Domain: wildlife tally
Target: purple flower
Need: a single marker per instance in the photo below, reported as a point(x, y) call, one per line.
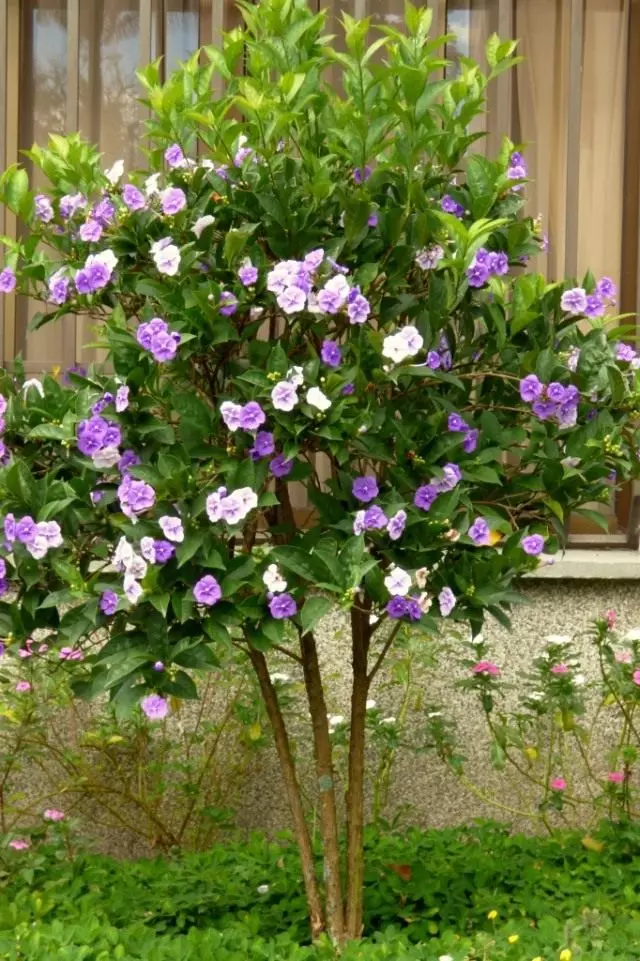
point(173, 200)
point(129, 459)
point(263, 446)
point(172, 528)
point(567, 415)
point(425, 496)
point(372, 220)
point(498, 263)
point(122, 399)
point(414, 611)
point(396, 608)
point(284, 396)
point(248, 274)
point(90, 435)
point(433, 360)
point(146, 332)
point(429, 257)
point(556, 392)
point(361, 174)
point(7, 280)
point(470, 441)
point(375, 519)
point(9, 527)
point(44, 210)
point(396, 525)
point(530, 388)
point(477, 274)
point(331, 354)
point(135, 496)
point(166, 257)
point(90, 231)
point(207, 591)
point(607, 289)
point(155, 707)
point(70, 204)
point(164, 346)
point(348, 389)
point(479, 532)
point(625, 352)
point(108, 602)
point(252, 416)
point(544, 409)
point(292, 299)
point(533, 544)
point(595, 306)
point(133, 198)
point(447, 601)
point(228, 303)
point(574, 301)
point(358, 309)
point(282, 606)
point(450, 479)
point(158, 666)
point(104, 212)
point(364, 489)
point(456, 423)
point(174, 155)
point(280, 466)
point(450, 206)
point(334, 295)
point(96, 272)
point(25, 530)
point(58, 287)
point(163, 551)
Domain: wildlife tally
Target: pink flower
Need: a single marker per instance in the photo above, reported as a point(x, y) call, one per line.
point(20, 844)
point(623, 657)
point(610, 618)
point(615, 777)
point(636, 677)
point(22, 687)
point(558, 784)
point(560, 669)
point(486, 667)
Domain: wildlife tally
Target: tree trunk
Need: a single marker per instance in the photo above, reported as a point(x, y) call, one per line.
point(292, 790)
point(360, 636)
point(326, 788)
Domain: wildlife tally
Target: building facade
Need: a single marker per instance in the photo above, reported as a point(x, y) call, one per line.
point(574, 102)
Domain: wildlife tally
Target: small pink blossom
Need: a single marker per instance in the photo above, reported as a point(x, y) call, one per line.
point(558, 784)
point(560, 669)
point(20, 844)
point(623, 657)
point(610, 618)
point(615, 777)
point(636, 677)
point(22, 687)
point(52, 814)
point(486, 667)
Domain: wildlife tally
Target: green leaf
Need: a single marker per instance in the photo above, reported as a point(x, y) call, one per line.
point(189, 547)
point(315, 608)
point(236, 240)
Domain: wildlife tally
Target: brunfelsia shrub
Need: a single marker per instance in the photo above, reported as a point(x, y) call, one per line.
point(298, 271)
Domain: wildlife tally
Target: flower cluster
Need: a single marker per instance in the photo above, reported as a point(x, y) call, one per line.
point(96, 273)
point(232, 508)
point(578, 302)
point(248, 417)
point(486, 264)
point(156, 337)
point(551, 401)
point(298, 286)
point(426, 494)
point(38, 538)
point(429, 257)
point(99, 439)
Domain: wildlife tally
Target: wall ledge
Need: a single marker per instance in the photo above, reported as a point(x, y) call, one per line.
point(593, 565)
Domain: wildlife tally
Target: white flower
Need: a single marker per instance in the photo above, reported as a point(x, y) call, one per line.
point(421, 576)
point(172, 528)
point(335, 720)
point(137, 567)
point(148, 549)
point(388, 720)
point(370, 705)
point(315, 398)
point(446, 957)
point(256, 312)
point(398, 582)
point(113, 174)
point(412, 339)
point(373, 618)
point(395, 348)
point(107, 457)
point(633, 634)
point(35, 384)
point(435, 714)
point(202, 223)
point(425, 602)
point(536, 696)
point(579, 680)
point(273, 580)
point(123, 554)
point(278, 678)
point(295, 376)
point(50, 531)
point(106, 257)
point(557, 639)
point(247, 498)
point(38, 547)
point(167, 260)
point(263, 889)
point(132, 589)
point(151, 185)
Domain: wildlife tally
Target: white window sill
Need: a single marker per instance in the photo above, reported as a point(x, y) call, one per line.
point(582, 564)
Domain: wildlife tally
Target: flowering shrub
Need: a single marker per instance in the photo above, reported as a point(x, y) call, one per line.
point(302, 269)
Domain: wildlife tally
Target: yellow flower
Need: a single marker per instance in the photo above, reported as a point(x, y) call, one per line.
point(566, 955)
point(492, 915)
point(538, 958)
point(513, 938)
point(495, 537)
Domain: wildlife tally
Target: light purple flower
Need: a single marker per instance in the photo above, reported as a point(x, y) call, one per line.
point(58, 287)
point(574, 301)
point(26, 530)
point(103, 212)
point(248, 274)
point(133, 198)
point(172, 528)
point(263, 445)
point(90, 231)
point(625, 352)
point(364, 489)
point(372, 220)
point(9, 527)
point(452, 476)
point(231, 414)
point(567, 415)
point(7, 280)
point(530, 388)
point(207, 591)
point(44, 208)
point(174, 156)
point(252, 416)
point(135, 496)
point(361, 174)
point(163, 551)
point(607, 289)
point(447, 601)
point(375, 519)
point(228, 303)
point(333, 295)
point(396, 525)
point(129, 459)
point(242, 153)
point(429, 257)
point(172, 201)
point(331, 354)
point(456, 423)
point(477, 274)
point(282, 606)
point(425, 496)
point(292, 299)
point(358, 309)
point(70, 204)
point(470, 441)
point(164, 346)
point(284, 396)
point(280, 466)
point(544, 409)
point(595, 306)
point(532, 544)
point(122, 399)
point(108, 602)
point(479, 532)
point(155, 707)
point(158, 666)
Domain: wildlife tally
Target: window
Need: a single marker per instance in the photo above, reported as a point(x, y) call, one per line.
point(575, 102)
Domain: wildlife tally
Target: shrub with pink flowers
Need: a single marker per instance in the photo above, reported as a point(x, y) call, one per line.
point(303, 287)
